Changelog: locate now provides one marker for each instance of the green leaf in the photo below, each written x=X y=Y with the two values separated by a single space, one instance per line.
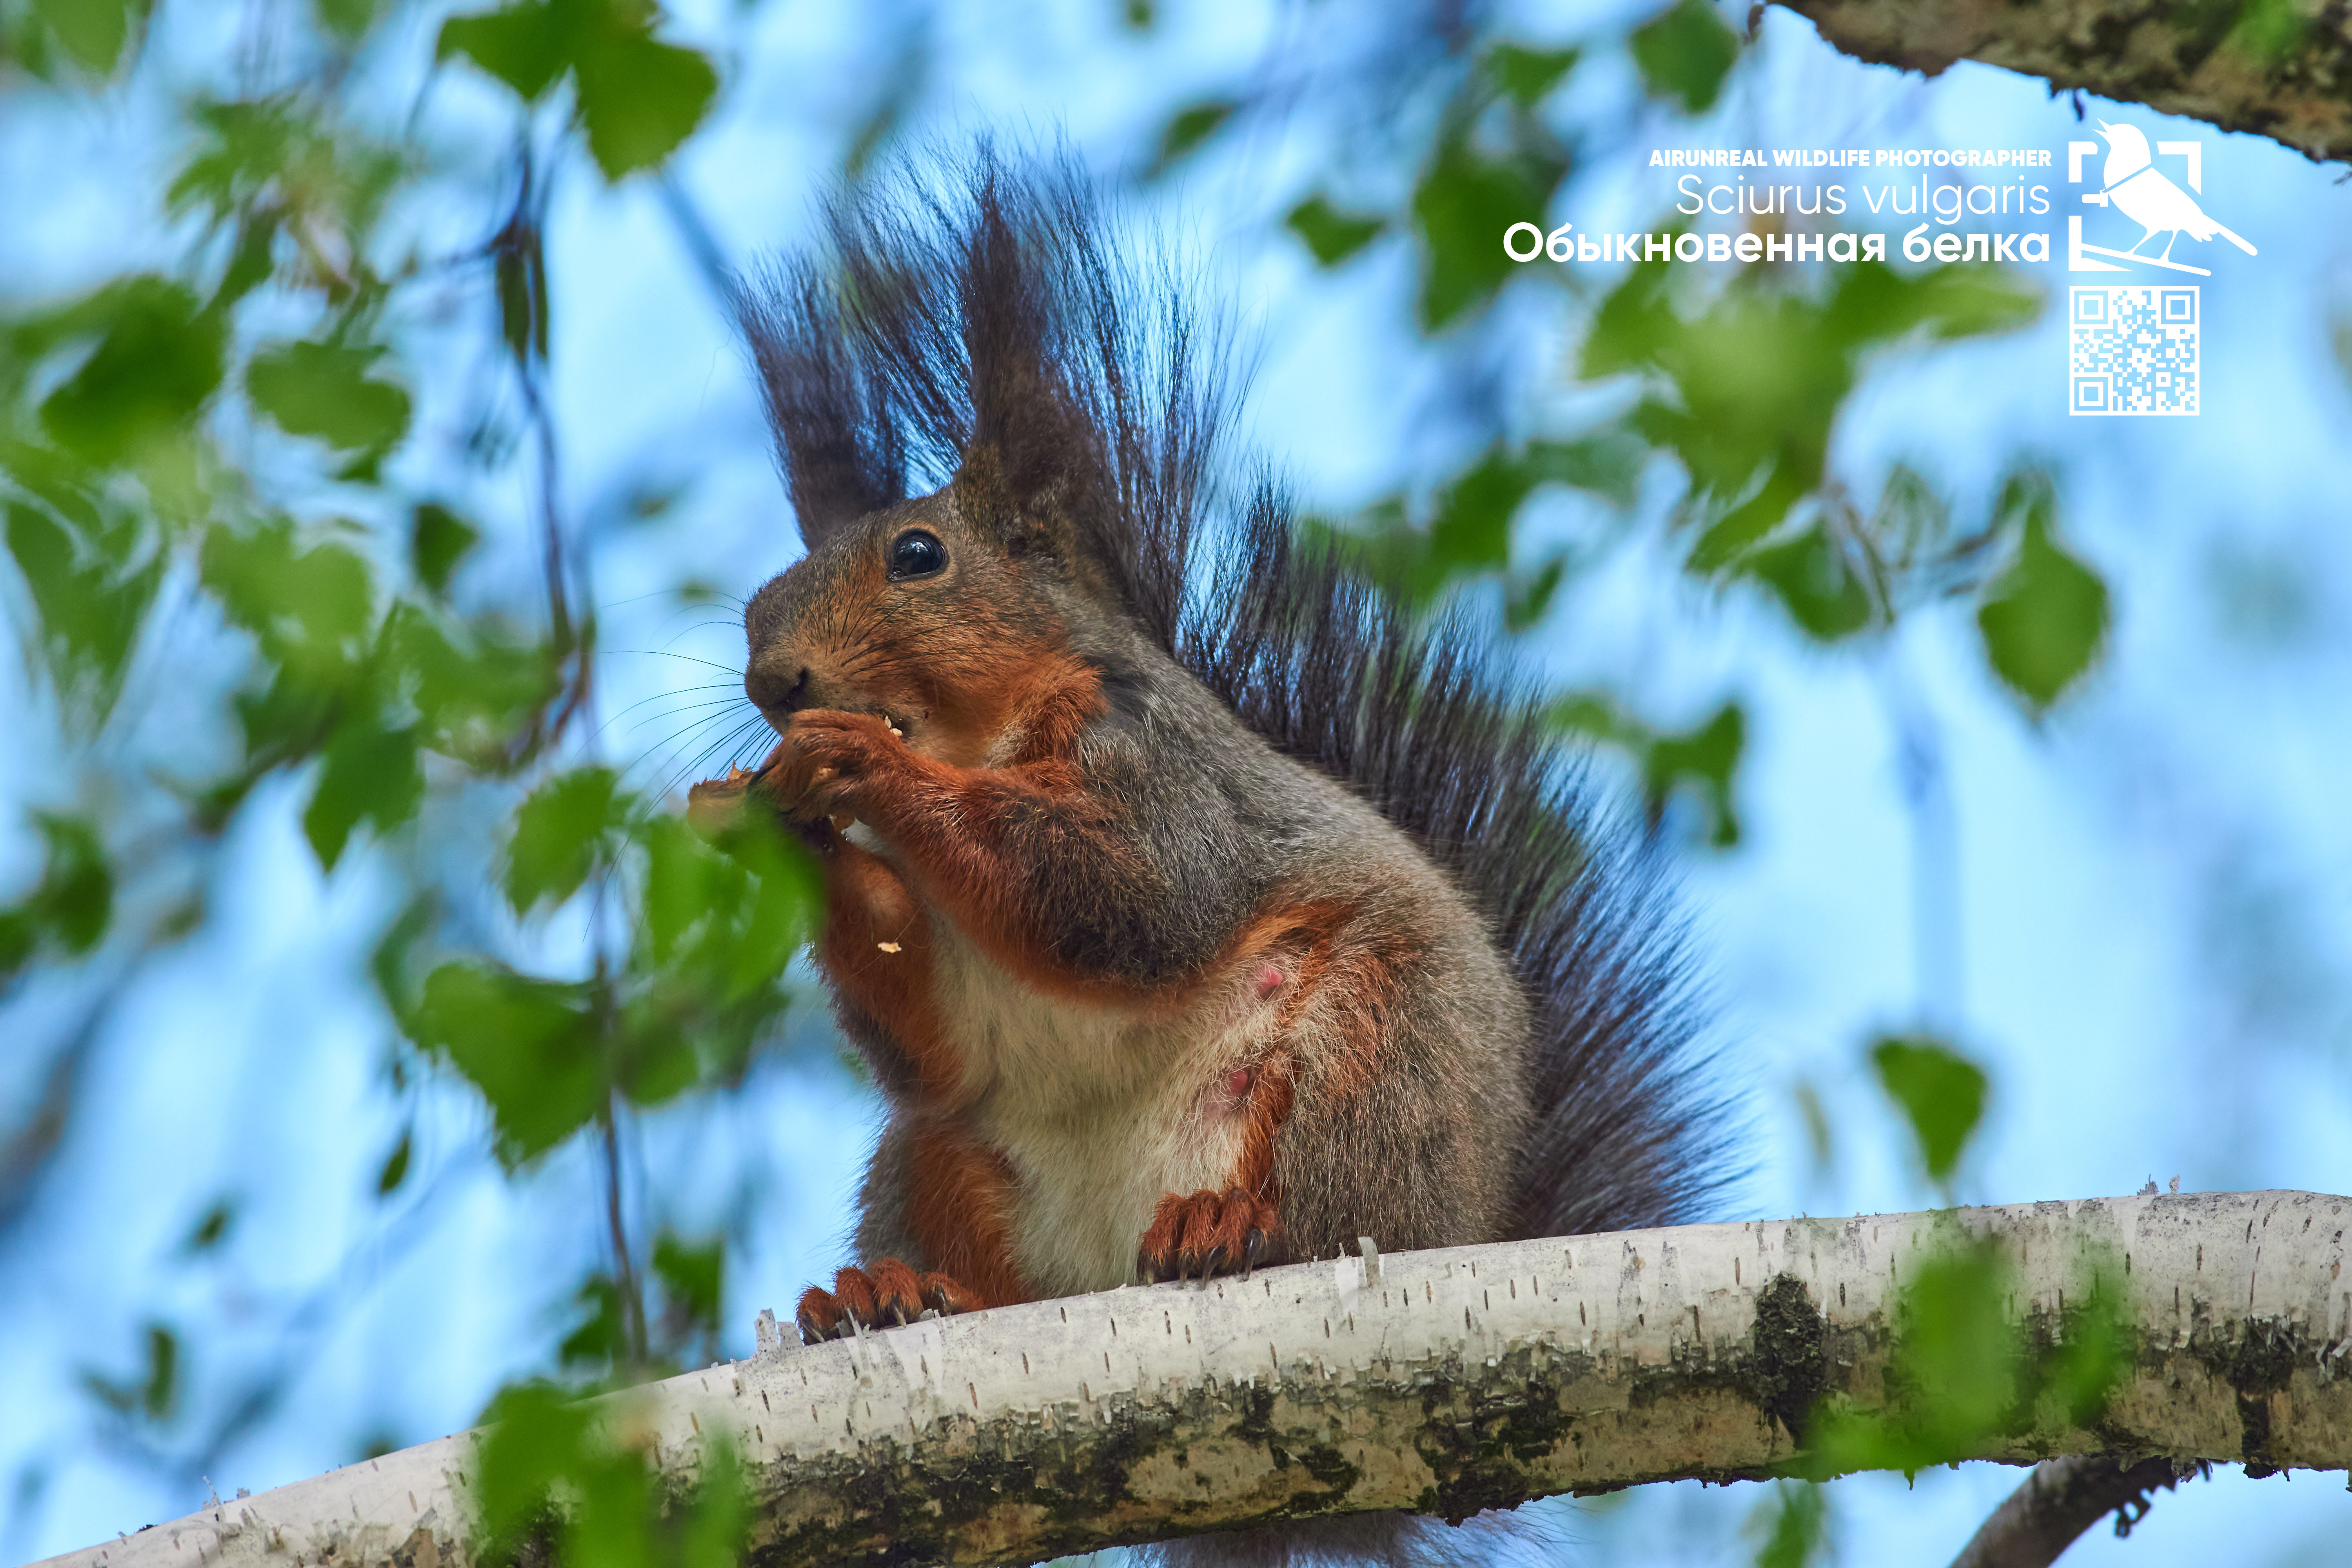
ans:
x=370 y=775
x=731 y=917
x=152 y=370
x=536 y=1443
x=73 y=903
x=437 y=540
x=694 y=1276
x=1706 y=761
x=2096 y=1353
x=1727 y=539
x=347 y=19
x=532 y=1047
x=324 y=390
x=534 y=1436
x=1684 y=52
x=251 y=260
x=1190 y=127
x=1814 y=579
x=1472 y=532
x=395 y=1166
x=2045 y=618
x=1970 y=300
x=1795 y=1525
x=1331 y=235
x=1940 y=1092
x=602 y=1337
x=1607 y=464
x=212 y=1228
x=719 y=1527
x=1525 y=75
x=1464 y=202
x=639 y=97
x=473 y=690
x=311 y=605
x=284 y=162
x=522 y=44
x=1964 y=1368
x=1527 y=599
x=91 y=591
x=1703 y=762
x=561 y=833
x=1469 y=533
x=1957 y=1349
x=155 y=1393
x=94 y=32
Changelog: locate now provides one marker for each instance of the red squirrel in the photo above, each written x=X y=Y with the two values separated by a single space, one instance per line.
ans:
x=1195 y=910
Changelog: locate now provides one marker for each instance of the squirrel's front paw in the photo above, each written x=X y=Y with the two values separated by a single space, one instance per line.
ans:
x=826 y=762
x=891 y=1293
x=1208 y=1233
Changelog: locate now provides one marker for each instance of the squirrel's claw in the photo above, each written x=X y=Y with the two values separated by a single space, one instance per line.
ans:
x=822 y=1317
x=1204 y=1235
x=890 y=1294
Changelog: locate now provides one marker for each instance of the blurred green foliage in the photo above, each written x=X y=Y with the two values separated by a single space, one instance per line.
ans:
x=703 y=978
x=1940 y=1093
x=220 y=433
x=616 y=1508
x=2045 y=617
x=1684 y=52
x=1331 y=235
x=636 y=98
x=69 y=909
x=1969 y=1366
x=1793 y=1520
x=1740 y=385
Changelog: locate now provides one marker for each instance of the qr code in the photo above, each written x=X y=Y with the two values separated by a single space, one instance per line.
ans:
x=2132 y=349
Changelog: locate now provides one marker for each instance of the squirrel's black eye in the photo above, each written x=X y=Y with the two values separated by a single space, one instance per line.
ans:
x=915 y=554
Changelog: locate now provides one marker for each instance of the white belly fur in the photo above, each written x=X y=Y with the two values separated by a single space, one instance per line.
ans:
x=1101 y=1113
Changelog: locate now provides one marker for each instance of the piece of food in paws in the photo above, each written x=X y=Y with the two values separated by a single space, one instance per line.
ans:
x=716 y=807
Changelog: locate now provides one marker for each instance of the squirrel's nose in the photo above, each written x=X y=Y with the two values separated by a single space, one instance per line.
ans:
x=761 y=687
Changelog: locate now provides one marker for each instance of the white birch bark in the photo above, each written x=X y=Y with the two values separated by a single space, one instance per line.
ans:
x=1445 y=1381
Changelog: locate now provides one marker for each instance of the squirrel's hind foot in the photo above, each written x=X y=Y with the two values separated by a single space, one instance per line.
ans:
x=889 y=1295
x=1206 y=1234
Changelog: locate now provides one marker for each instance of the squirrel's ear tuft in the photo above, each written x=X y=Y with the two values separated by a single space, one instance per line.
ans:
x=1034 y=440
x=836 y=438
x=973 y=322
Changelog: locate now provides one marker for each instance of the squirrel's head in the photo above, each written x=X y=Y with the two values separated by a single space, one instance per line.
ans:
x=934 y=613
x=979 y=323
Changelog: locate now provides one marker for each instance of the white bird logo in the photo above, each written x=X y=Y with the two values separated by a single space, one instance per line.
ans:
x=2140 y=190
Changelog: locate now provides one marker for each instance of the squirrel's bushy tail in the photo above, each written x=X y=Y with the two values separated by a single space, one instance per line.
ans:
x=984 y=299
x=1625 y=1132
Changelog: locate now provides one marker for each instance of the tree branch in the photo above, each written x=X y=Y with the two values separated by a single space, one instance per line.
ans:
x=2181 y=59
x=1444 y=1381
x=2061 y=1498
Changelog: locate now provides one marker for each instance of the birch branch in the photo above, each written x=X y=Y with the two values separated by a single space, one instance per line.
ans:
x=1444 y=1381
x=2177 y=58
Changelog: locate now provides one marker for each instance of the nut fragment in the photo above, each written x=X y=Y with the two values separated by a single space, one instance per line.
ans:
x=887 y=946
